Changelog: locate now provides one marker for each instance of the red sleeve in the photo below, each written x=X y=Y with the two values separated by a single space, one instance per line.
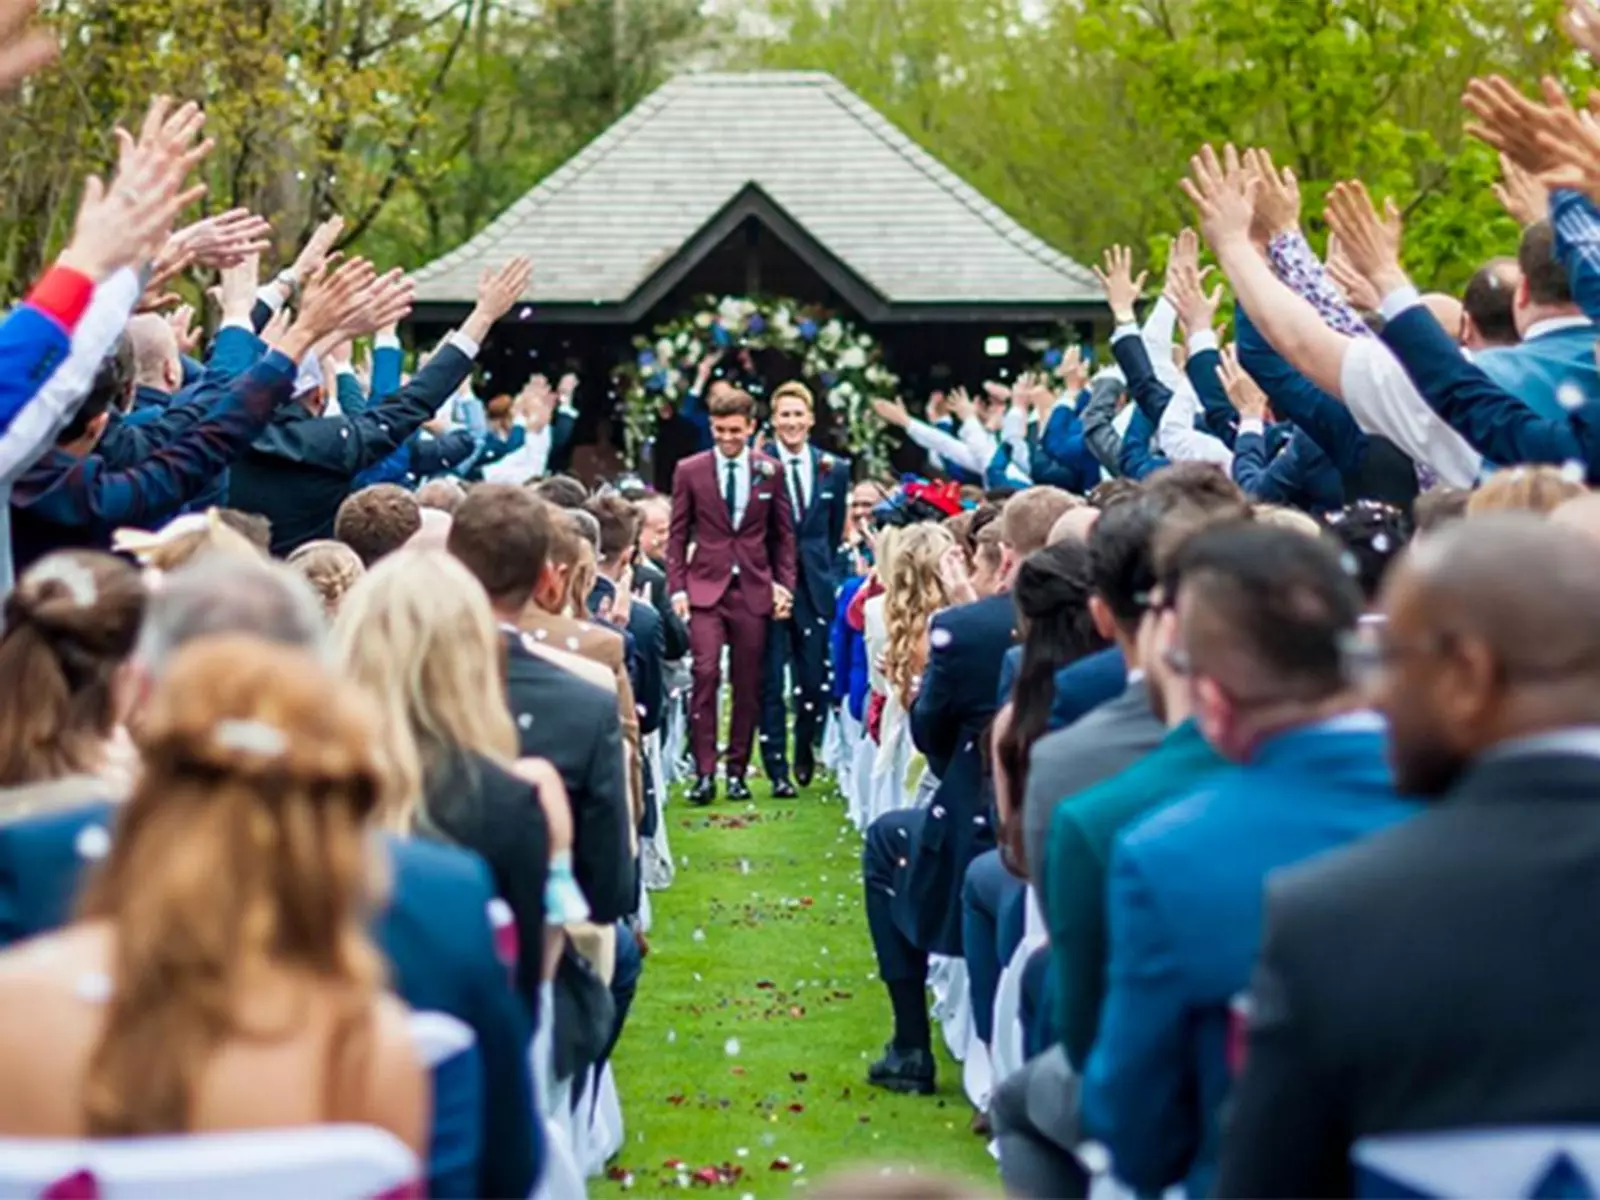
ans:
x=63 y=295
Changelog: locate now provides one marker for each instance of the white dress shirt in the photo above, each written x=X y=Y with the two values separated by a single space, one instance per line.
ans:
x=1176 y=434
x=741 y=481
x=798 y=467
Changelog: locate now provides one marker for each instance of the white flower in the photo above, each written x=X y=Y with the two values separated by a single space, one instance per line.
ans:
x=664 y=350
x=703 y=320
x=734 y=311
x=853 y=359
x=847 y=391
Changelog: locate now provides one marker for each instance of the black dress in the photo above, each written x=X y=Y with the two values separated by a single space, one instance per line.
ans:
x=479 y=805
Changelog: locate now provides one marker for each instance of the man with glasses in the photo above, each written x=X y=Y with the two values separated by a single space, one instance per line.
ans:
x=1262 y=613
x=1442 y=976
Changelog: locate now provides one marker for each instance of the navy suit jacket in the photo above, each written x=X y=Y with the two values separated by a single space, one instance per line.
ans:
x=1493 y=421
x=1184 y=905
x=819 y=531
x=435 y=934
x=1085 y=685
x=1540 y=370
x=954 y=707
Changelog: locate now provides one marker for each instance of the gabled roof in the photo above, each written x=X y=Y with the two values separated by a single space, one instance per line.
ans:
x=620 y=223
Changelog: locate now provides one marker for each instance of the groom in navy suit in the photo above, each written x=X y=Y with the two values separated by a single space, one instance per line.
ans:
x=818 y=489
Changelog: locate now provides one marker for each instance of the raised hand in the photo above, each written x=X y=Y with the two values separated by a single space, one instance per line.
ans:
x=1121 y=288
x=236 y=288
x=314 y=254
x=1370 y=242
x=24 y=48
x=1223 y=194
x=123 y=224
x=225 y=239
x=332 y=301
x=960 y=405
x=892 y=412
x=1196 y=310
x=1183 y=255
x=954 y=576
x=1074 y=372
x=1361 y=294
x=1581 y=23
x=1277 y=197
x=1513 y=124
x=1248 y=400
x=497 y=292
x=1521 y=194
x=385 y=300
x=184 y=330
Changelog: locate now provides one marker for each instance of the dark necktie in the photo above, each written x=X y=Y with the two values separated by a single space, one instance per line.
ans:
x=730 y=491
x=798 y=483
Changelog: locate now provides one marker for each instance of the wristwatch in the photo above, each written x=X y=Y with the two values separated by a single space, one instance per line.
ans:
x=289 y=281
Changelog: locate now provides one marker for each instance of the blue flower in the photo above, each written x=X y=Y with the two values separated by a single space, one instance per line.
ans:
x=647 y=358
x=756 y=324
x=808 y=329
x=656 y=382
x=829 y=379
x=721 y=336
x=1052 y=358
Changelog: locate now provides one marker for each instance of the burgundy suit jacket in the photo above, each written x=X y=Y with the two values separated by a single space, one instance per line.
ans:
x=762 y=548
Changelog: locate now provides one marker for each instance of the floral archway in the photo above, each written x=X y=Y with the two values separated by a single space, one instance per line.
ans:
x=842 y=365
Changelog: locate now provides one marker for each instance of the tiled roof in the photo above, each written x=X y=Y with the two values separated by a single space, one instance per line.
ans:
x=606 y=221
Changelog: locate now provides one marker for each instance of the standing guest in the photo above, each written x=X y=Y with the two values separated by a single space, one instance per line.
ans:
x=817 y=487
x=301 y=468
x=1263 y=615
x=728 y=506
x=146 y=1016
x=417 y=634
x=330 y=567
x=70 y=627
x=1470 y=1005
x=377 y=521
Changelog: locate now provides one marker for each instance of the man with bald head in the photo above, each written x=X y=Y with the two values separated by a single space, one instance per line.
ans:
x=1443 y=976
x=157 y=366
x=1581 y=514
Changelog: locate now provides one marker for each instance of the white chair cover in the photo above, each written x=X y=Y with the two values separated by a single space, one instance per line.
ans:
x=860 y=794
x=656 y=863
x=563 y=1179
x=952 y=1002
x=1516 y=1162
x=1007 y=1051
x=598 y=1130
x=348 y=1162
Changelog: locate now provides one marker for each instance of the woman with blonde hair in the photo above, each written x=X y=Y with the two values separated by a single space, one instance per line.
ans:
x=219 y=976
x=331 y=567
x=417 y=634
x=914 y=564
x=70 y=625
x=1537 y=488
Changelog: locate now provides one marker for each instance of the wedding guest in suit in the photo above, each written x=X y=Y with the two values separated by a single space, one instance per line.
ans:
x=728 y=505
x=145 y=1016
x=1472 y=1001
x=418 y=636
x=914 y=860
x=377 y=521
x=1262 y=616
x=626 y=611
x=817 y=486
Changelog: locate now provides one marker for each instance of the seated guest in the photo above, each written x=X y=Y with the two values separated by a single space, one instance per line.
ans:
x=563 y=491
x=445 y=494
x=433 y=928
x=184 y=539
x=1469 y=1003
x=377 y=520
x=417 y=635
x=1536 y=489
x=618 y=526
x=1439 y=505
x=201 y=966
x=1372 y=534
x=330 y=567
x=1262 y=616
x=70 y=627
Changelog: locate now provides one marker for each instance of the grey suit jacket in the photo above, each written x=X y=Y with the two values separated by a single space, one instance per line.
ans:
x=1107 y=740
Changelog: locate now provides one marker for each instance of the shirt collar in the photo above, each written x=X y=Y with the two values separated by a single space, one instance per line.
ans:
x=1581 y=740
x=1554 y=325
x=743 y=461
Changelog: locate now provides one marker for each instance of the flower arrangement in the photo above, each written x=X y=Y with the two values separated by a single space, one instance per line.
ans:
x=846 y=363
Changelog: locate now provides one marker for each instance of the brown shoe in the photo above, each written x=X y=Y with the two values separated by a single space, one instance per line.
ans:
x=980 y=1125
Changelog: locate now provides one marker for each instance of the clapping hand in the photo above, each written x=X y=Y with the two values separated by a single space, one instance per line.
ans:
x=1225 y=196
x=1121 y=288
x=1248 y=400
x=1370 y=242
x=123 y=224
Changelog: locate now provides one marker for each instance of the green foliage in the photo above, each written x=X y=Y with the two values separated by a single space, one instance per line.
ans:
x=1078 y=116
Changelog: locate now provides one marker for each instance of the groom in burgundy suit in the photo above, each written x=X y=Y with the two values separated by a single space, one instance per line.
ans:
x=731 y=568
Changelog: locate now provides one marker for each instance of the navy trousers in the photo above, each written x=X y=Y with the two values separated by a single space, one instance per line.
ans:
x=796 y=667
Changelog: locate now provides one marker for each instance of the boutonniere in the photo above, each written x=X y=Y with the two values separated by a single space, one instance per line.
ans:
x=765 y=468
x=827 y=463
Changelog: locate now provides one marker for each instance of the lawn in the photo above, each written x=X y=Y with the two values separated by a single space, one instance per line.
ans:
x=745 y=1055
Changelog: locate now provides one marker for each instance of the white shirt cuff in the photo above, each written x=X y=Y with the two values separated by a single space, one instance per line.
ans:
x=463 y=343
x=345 y=368
x=1122 y=331
x=1398 y=301
x=1206 y=339
x=272 y=296
x=237 y=323
x=386 y=341
x=1252 y=425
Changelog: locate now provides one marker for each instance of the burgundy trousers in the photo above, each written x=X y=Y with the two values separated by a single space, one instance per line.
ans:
x=730 y=623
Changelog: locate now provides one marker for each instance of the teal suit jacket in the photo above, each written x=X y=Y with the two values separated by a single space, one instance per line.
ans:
x=1079 y=852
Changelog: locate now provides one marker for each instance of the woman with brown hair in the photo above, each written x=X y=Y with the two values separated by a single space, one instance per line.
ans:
x=70 y=628
x=219 y=976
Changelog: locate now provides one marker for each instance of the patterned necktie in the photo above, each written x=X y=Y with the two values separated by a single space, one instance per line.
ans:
x=730 y=491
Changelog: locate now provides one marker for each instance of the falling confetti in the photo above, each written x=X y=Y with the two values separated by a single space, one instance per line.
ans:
x=731 y=1047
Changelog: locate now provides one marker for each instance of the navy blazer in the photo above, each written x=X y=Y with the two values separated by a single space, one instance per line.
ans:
x=954 y=707
x=435 y=934
x=1301 y=475
x=1184 y=905
x=819 y=531
x=1493 y=421
x=1083 y=686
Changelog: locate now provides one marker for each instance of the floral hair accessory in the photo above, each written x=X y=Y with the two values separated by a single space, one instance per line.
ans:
x=251 y=737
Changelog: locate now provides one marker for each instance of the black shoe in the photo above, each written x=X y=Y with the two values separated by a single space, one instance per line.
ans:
x=738 y=789
x=907 y=1071
x=704 y=791
x=805 y=765
x=782 y=789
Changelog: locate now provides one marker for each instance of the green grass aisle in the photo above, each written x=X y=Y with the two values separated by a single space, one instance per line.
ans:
x=759 y=1010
